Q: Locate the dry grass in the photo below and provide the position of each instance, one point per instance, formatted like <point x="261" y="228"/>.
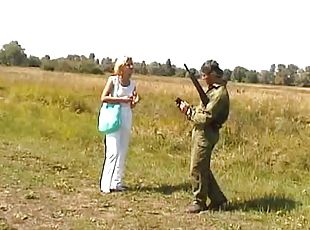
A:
<point x="51" y="156"/>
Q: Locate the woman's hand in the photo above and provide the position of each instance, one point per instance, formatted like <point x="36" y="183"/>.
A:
<point x="125" y="99"/>
<point x="135" y="100"/>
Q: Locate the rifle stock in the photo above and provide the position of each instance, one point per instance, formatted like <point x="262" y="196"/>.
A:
<point x="204" y="98"/>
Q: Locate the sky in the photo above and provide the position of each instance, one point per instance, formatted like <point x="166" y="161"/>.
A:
<point x="250" y="33"/>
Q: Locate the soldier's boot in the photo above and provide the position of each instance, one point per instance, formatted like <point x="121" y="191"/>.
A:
<point x="218" y="205"/>
<point x="196" y="207"/>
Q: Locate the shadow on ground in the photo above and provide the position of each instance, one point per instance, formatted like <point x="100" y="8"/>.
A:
<point x="267" y="203"/>
<point x="164" y="188"/>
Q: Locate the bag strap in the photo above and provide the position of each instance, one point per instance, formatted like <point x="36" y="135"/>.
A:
<point x="115" y="85"/>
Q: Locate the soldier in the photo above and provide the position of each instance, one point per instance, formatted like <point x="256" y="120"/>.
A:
<point x="207" y="122"/>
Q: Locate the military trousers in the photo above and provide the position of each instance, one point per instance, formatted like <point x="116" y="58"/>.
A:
<point x="203" y="182"/>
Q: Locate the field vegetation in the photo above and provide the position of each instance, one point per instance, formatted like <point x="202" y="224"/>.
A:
<point x="51" y="156"/>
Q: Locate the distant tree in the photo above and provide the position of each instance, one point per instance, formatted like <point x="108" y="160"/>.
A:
<point x="286" y="75"/>
<point x="193" y="71"/>
<point x="227" y="74"/>
<point x="155" y="68"/>
<point x="266" y="77"/>
<point x="303" y="78"/>
<point x="47" y="64"/>
<point x="281" y="68"/>
<point x="280" y="78"/>
<point x="292" y="69"/>
<point x="140" y="68"/>
<point x="65" y="65"/>
<point x="273" y="68"/>
<point x="251" y="76"/>
<point x="168" y="70"/>
<point x="47" y="57"/>
<point x="292" y="74"/>
<point x="179" y="72"/>
<point x="239" y="74"/>
<point x="168" y="63"/>
<point x="143" y="68"/>
<point x="92" y="56"/>
<point x="13" y="54"/>
<point x="74" y="57"/>
<point x="2" y="58"/>
<point x="107" y="65"/>
<point x="70" y="57"/>
<point x="34" y="61"/>
<point x="281" y="75"/>
<point x="88" y="66"/>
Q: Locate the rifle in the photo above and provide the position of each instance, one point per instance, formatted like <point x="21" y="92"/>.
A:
<point x="204" y="98"/>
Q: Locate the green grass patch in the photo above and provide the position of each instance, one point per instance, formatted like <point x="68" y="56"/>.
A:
<point x="51" y="156"/>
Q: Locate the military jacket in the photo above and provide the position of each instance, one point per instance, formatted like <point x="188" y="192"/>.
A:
<point x="216" y="112"/>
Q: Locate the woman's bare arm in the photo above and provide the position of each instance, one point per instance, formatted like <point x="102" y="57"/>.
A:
<point x="106" y="94"/>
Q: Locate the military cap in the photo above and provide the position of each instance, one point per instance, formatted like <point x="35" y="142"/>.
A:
<point x="211" y="67"/>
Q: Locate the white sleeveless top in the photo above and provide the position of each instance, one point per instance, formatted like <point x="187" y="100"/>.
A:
<point x="121" y="91"/>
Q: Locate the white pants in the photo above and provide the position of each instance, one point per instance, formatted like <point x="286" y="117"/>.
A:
<point x="116" y="148"/>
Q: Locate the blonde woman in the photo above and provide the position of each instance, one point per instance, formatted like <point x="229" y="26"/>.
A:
<point x="118" y="89"/>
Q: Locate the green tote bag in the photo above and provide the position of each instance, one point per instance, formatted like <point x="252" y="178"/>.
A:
<point x="109" y="118"/>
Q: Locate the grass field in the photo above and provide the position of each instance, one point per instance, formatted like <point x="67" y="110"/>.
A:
<point x="51" y="156"/>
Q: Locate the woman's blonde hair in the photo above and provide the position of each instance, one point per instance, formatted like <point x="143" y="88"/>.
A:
<point x="120" y="62"/>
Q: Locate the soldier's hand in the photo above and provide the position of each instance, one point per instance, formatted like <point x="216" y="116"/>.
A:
<point x="184" y="106"/>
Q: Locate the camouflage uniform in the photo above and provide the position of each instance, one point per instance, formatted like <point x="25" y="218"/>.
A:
<point x="207" y="122"/>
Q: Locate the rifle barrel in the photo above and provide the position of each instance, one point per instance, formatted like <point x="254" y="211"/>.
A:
<point x="186" y="67"/>
<point x="204" y="98"/>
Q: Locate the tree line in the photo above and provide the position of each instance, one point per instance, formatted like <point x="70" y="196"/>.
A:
<point x="12" y="54"/>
